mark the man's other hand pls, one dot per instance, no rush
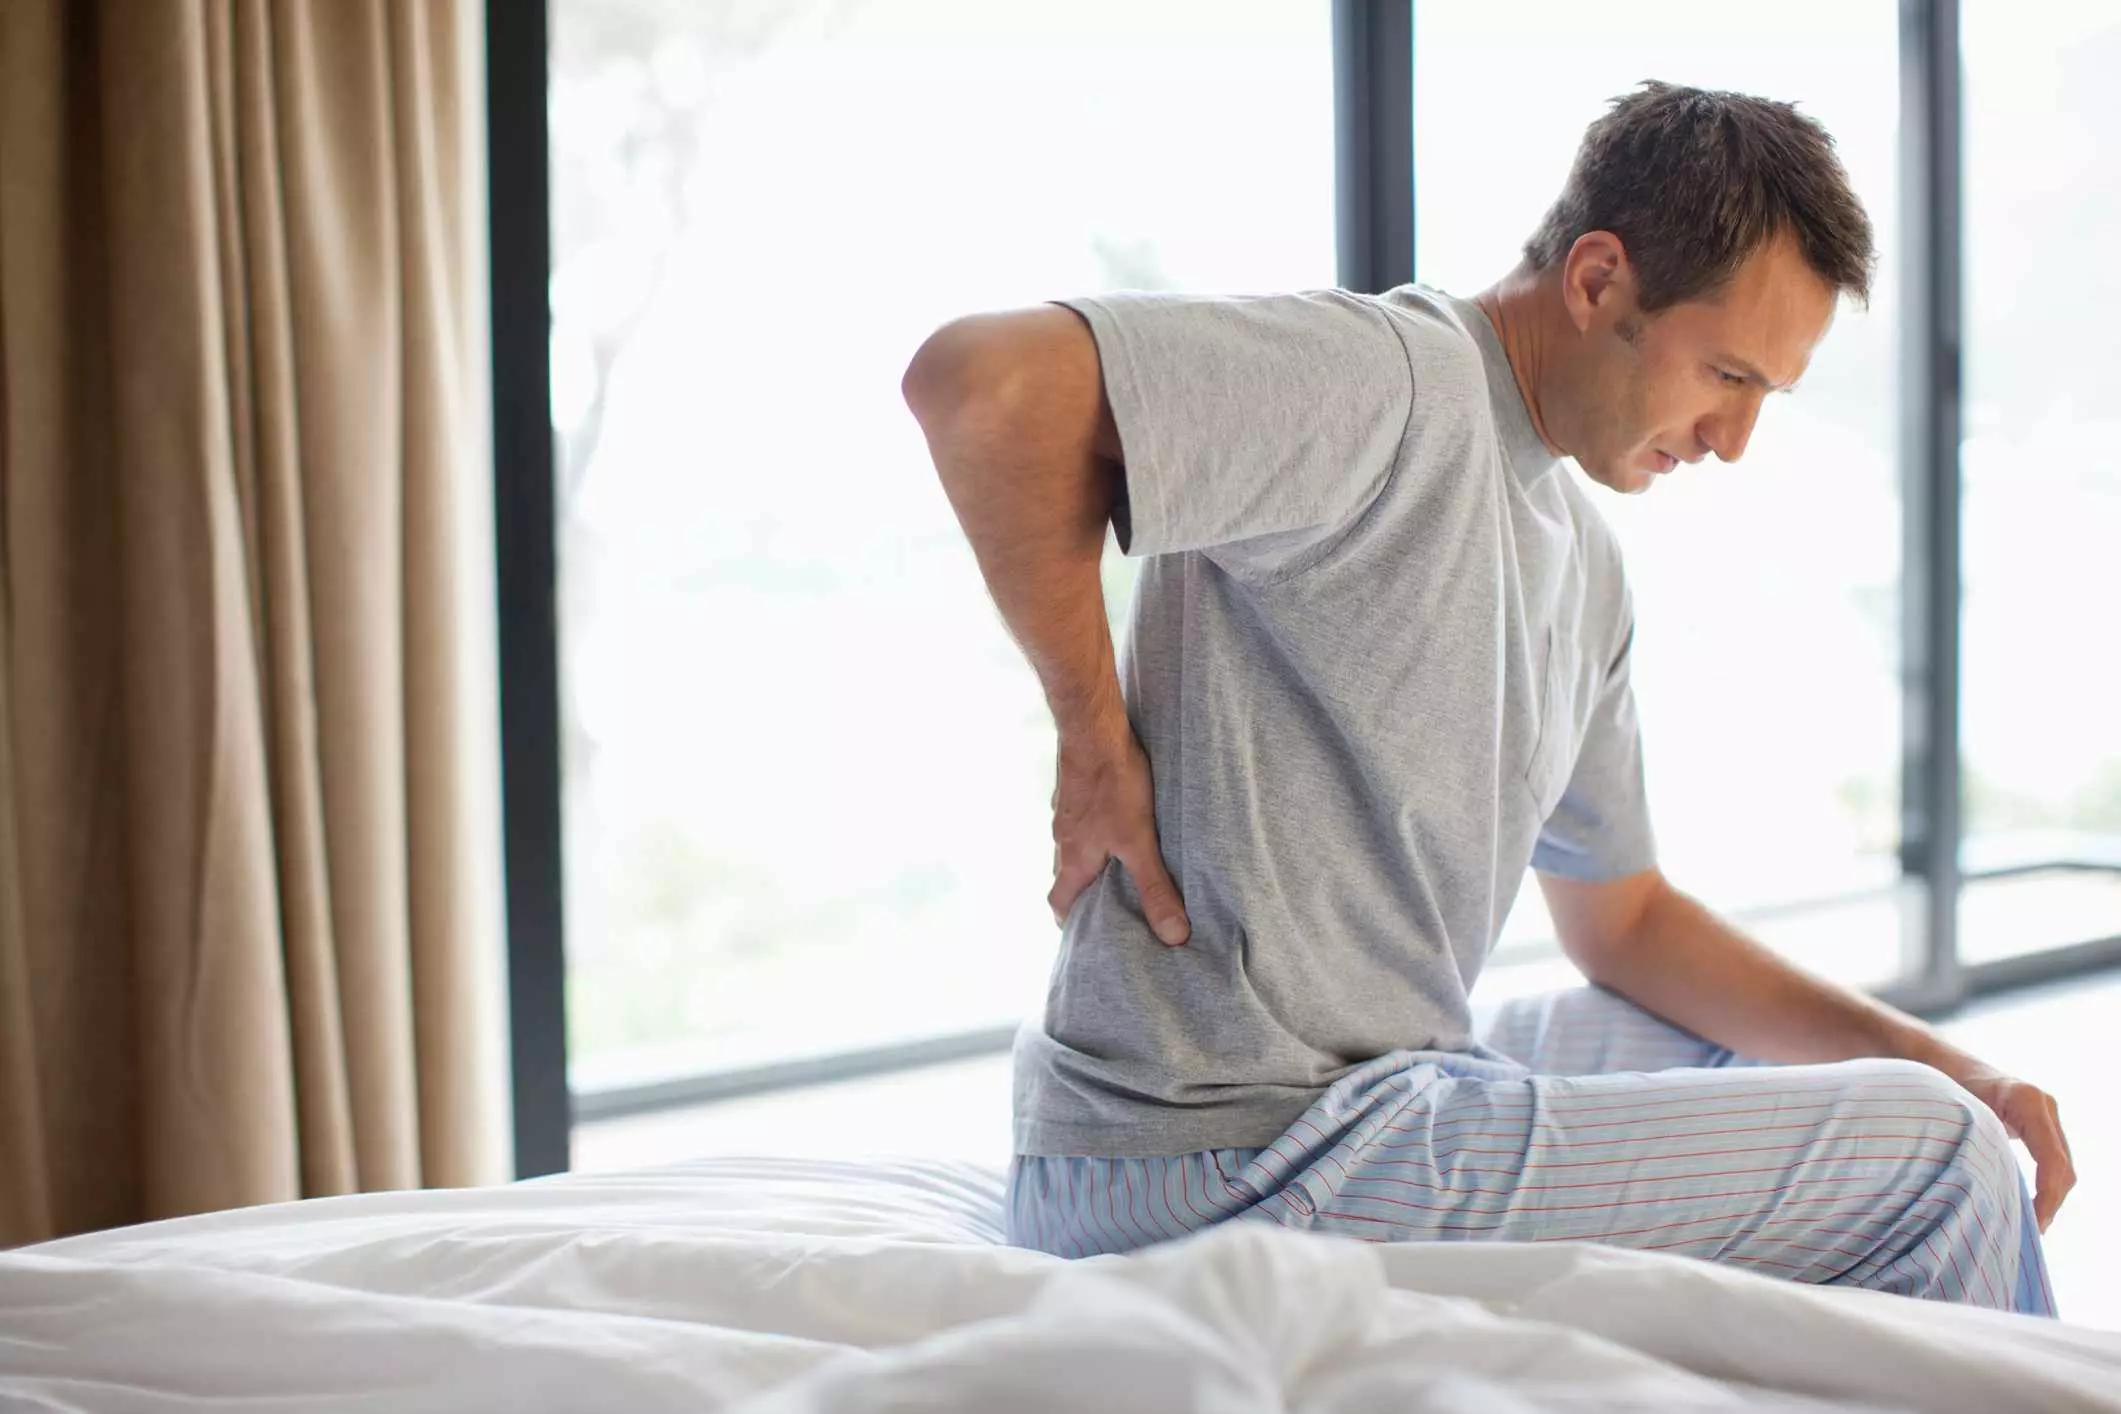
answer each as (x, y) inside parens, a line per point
(2030, 1115)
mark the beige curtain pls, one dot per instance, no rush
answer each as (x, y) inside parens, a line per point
(247, 856)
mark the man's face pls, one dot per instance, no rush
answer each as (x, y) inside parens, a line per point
(1656, 390)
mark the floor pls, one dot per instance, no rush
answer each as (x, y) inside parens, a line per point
(2058, 1036)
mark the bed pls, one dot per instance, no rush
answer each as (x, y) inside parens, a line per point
(799, 1285)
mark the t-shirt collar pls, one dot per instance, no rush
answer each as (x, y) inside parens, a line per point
(1521, 442)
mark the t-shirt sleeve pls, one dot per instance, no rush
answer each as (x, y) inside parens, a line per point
(1254, 428)
(1601, 827)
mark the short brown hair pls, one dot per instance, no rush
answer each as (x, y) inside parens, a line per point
(1694, 182)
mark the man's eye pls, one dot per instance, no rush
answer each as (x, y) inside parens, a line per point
(1729, 377)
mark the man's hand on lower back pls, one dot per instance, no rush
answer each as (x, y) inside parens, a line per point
(1104, 807)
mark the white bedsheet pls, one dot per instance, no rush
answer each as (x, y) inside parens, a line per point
(804, 1286)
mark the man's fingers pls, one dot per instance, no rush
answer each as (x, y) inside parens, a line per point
(2049, 1189)
(1070, 878)
(2055, 1174)
(1161, 904)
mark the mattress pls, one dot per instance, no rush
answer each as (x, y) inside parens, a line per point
(798, 1285)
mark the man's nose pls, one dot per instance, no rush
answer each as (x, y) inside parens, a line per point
(1727, 433)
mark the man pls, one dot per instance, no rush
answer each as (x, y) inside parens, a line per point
(1379, 664)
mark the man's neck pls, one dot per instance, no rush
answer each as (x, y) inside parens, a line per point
(1518, 306)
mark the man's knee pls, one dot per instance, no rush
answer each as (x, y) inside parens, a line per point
(1951, 1124)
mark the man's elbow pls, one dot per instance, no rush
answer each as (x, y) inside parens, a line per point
(1024, 367)
(1599, 924)
(942, 379)
(928, 376)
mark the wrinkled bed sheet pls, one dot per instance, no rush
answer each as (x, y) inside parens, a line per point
(792, 1285)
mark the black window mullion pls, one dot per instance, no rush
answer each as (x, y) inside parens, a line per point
(520, 232)
(1373, 142)
(1931, 382)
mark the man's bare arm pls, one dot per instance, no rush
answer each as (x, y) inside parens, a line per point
(1013, 406)
(1664, 951)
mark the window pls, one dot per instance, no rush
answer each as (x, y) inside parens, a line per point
(2042, 478)
(1766, 660)
(806, 772)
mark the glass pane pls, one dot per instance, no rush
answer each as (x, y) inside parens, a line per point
(2017, 914)
(807, 773)
(1767, 592)
(2040, 674)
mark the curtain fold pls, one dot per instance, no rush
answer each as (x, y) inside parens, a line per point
(247, 904)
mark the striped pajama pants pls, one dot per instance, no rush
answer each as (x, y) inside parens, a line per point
(1581, 1117)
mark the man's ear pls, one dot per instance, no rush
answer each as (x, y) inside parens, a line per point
(1596, 279)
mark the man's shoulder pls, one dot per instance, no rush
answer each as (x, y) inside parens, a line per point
(1432, 325)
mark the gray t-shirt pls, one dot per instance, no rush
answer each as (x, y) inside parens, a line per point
(1379, 663)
